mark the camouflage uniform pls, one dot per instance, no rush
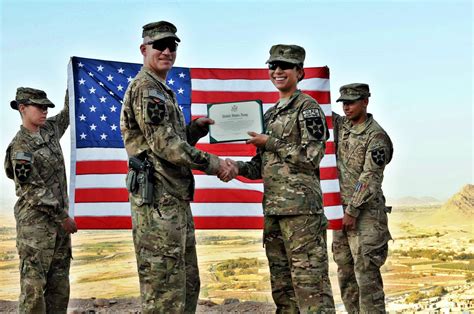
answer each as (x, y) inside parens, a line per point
(363, 150)
(35, 162)
(295, 225)
(153, 127)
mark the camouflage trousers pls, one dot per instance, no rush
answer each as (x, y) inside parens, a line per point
(165, 248)
(45, 258)
(359, 254)
(298, 259)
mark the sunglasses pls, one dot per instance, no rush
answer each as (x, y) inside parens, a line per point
(162, 44)
(282, 65)
(40, 107)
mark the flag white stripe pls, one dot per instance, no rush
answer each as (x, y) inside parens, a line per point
(236, 85)
(99, 153)
(111, 181)
(198, 209)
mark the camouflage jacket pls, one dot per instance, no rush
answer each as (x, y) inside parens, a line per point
(35, 162)
(153, 125)
(362, 153)
(289, 163)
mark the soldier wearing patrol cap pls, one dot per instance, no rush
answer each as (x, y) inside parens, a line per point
(34, 161)
(288, 158)
(161, 185)
(363, 149)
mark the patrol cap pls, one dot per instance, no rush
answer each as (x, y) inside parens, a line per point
(354, 91)
(30, 96)
(287, 53)
(160, 30)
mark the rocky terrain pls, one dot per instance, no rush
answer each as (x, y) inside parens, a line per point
(132, 306)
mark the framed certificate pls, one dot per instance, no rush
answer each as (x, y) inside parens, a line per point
(234, 119)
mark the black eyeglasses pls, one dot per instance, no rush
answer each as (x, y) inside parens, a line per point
(162, 44)
(281, 64)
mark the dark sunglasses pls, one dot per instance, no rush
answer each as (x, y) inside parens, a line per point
(162, 44)
(282, 65)
(40, 107)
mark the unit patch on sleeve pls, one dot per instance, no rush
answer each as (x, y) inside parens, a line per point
(23, 161)
(378, 156)
(314, 123)
(155, 108)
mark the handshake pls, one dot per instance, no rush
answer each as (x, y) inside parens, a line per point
(228, 170)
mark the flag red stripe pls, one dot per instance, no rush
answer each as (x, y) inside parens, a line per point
(226, 222)
(244, 150)
(103, 222)
(250, 74)
(227, 196)
(331, 199)
(122, 222)
(101, 167)
(335, 224)
(206, 97)
(101, 195)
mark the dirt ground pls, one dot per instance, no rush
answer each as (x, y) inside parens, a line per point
(132, 306)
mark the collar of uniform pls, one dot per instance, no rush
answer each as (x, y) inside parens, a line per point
(35, 137)
(290, 100)
(156, 77)
(359, 128)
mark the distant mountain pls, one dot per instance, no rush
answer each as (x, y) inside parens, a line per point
(413, 201)
(461, 202)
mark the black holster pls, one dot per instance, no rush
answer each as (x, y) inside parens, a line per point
(140, 179)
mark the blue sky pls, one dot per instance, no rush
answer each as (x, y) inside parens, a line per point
(416, 56)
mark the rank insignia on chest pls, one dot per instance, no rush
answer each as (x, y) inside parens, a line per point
(378, 156)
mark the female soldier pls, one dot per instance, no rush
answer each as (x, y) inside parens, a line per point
(35, 162)
(287, 159)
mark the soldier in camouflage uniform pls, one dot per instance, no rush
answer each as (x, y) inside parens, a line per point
(287, 159)
(34, 160)
(360, 249)
(154, 131)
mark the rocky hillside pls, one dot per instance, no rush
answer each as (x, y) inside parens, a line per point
(461, 202)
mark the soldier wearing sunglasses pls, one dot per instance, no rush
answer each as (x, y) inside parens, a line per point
(288, 157)
(34, 161)
(155, 133)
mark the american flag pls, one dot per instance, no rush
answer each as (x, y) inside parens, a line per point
(98, 197)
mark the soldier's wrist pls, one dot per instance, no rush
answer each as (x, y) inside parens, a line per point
(271, 144)
(214, 165)
(61, 216)
(352, 211)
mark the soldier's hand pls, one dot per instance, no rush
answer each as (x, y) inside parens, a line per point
(256, 139)
(69, 225)
(349, 222)
(204, 122)
(228, 170)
